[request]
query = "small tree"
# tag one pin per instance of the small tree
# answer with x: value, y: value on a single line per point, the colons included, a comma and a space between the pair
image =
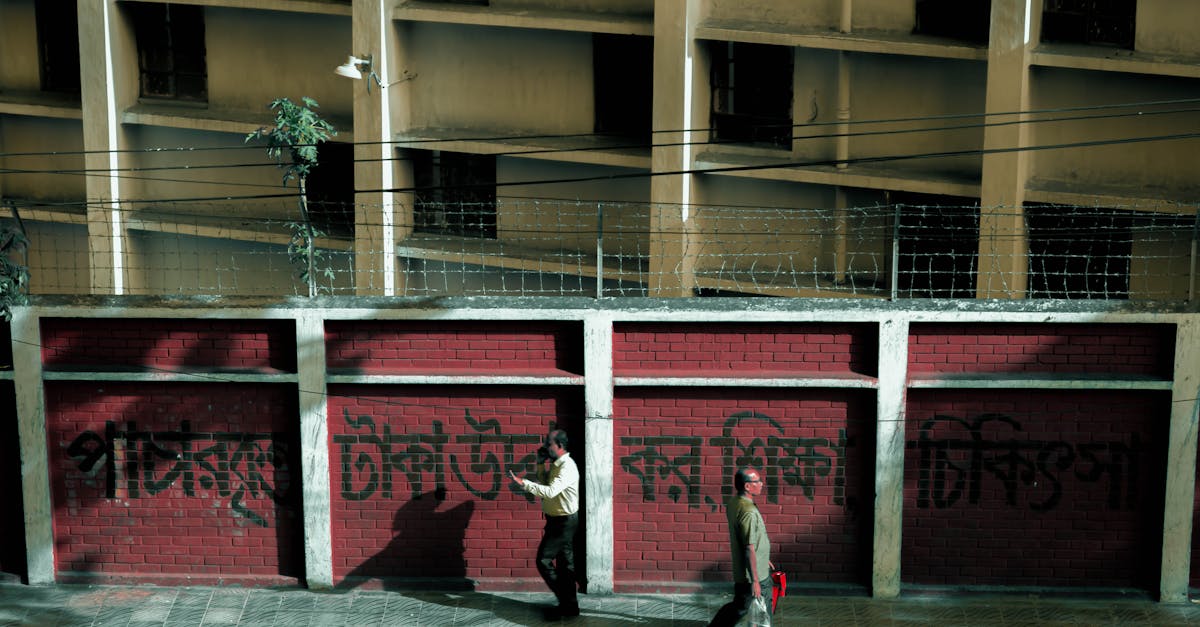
x: 298, y: 130
x: 14, y: 276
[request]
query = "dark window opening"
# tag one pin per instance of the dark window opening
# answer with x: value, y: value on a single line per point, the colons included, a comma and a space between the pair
x: 938, y: 245
x: 456, y: 194
x: 752, y: 93
x: 58, y: 45
x: 171, y: 53
x: 1098, y: 22
x: 330, y: 189
x: 1078, y: 252
x: 623, y: 69
x: 969, y: 20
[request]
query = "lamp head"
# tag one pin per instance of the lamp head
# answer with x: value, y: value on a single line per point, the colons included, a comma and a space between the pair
x: 354, y: 67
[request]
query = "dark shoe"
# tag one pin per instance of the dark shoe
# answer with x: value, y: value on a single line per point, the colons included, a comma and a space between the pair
x: 568, y: 611
x: 551, y: 613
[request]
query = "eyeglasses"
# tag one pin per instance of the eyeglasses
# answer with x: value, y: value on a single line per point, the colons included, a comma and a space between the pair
x: 754, y: 481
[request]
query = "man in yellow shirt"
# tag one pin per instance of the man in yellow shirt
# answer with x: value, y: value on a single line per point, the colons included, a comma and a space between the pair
x: 750, y: 548
x: 558, y: 487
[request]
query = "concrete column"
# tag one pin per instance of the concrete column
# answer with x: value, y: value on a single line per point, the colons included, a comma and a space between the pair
x: 314, y: 449
x: 1181, y: 465
x: 889, y: 457
x: 31, y: 431
x: 108, y: 70
x: 381, y: 218
x: 598, y: 452
x: 676, y: 91
x: 1003, y: 244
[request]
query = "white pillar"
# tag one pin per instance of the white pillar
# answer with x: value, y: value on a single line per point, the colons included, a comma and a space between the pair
x: 314, y: 449
x: 31, y: 432
x: 1181, y: 465
x: 889, y: 457
x: 598, y: 452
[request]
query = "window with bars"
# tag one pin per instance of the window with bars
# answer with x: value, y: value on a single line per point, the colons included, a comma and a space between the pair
x: 456, y: 193
x: 171, y: 52
x: 1097, y: 22
x: 752, y: 93
x: 58, y: 45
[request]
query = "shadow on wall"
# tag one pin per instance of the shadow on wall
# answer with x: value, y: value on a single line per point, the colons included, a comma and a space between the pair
x: 427, y: 547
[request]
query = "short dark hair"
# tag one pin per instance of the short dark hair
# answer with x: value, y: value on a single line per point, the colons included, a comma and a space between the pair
x: 741, y: 478
x: 559, y: 437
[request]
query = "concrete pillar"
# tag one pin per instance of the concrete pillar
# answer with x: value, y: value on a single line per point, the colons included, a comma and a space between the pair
x: 676, y: 74
x: 109, y: 75
x: 381, y: 218
x: 1181, y: 465
x: 598, y: 452
x: 31, y: 432
x: 889, y: 457
x: 1003, y: 244
x: 314, y: 450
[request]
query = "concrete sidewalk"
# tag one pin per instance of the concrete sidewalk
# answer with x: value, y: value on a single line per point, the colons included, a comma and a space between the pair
x: 143, y: 606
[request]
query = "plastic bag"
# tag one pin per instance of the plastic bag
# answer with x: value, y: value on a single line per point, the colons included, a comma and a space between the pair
x: 760, y: 616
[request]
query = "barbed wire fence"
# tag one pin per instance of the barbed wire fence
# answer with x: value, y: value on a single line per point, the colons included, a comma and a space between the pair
x: 546, y: 247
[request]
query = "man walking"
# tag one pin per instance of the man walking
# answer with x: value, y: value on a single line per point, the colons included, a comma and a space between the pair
x: 558, y: 487
x: 750, y: 548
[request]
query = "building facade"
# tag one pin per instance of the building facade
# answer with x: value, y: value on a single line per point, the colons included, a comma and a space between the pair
x: 714, y: 147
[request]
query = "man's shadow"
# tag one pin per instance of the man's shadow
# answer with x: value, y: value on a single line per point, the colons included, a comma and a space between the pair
x: 426, y: 550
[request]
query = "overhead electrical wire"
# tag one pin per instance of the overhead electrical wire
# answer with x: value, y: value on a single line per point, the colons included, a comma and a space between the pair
x: 650, y: 174
x: 494, y: 138
x: 108, y: 172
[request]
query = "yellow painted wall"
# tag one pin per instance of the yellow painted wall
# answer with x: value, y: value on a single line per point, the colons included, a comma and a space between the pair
x: 564, y: 215
x: 807, y: 14
x: 1167, y: 27
x: 57, y: 260
x: 19, y: 65
x: 890, y: 86
x: 255, y: 57
x: 1140, y: 167
x: 630, y: 7
x: 501, y: 79
x: 27, y: 134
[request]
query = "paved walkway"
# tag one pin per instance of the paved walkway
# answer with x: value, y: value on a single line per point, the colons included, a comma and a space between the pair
x: 143, y: 606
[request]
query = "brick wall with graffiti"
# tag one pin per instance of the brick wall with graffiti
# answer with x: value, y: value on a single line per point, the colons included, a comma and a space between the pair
x: 170, y: 479
x: 420, y: 485
x: 153, y: 478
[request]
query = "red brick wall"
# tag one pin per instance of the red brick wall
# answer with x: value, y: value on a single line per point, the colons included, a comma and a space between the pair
x: 1034, y: 488
x: 480, y: 347
x: 675, y: 454
x: 1041, y: 348
x: 154, y: 480
x: 262, y: 345
x: 743, y: 349
x: 419, y: 480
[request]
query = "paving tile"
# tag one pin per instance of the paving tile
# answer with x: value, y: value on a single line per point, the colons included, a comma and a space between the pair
x: 327, y: 619
x: 185, y: 615
x: 222, y: 616
x: 293, y: 619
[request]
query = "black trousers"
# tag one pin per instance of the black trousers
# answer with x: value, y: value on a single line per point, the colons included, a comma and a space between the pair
x: 556, y: 558
x: 743, y: 596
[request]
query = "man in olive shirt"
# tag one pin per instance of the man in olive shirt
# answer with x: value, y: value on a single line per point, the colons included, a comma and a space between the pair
x: 558, y: 487
x: 750, y: 547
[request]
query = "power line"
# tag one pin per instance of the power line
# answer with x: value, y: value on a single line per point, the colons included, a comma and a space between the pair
x: 714, y: 170
x: 546, y: 151
x: 494, y: 138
